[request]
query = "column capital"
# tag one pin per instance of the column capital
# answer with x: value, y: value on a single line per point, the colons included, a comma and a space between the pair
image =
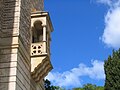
x: 44, y: 25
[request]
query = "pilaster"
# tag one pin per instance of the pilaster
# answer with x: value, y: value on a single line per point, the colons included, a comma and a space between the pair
x: 15, y: 44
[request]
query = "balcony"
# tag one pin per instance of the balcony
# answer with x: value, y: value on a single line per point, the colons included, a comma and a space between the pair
x: 40, y: 60
x: 38, y: 49
x: 41, y: 28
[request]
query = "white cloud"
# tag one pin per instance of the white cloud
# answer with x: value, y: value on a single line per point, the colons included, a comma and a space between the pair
x: 73, y: 77
x: 107, y: 2
x: 111, y: 3
x: 111, y: 33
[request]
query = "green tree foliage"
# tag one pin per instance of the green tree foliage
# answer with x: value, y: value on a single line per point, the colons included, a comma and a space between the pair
x: 112, y: 71
x: 48, y: 86
x: 99, y: 88
x: 90, y: 87
x: 78, y: 89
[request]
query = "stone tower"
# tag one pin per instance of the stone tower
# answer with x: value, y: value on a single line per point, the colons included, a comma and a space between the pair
x: 24, y: 44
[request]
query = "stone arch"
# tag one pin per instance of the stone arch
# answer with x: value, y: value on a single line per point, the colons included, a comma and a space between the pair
x: 37, y: 32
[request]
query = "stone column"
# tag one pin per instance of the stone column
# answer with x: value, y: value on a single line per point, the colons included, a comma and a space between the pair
x: 44, y: 39
x: 44, y: 33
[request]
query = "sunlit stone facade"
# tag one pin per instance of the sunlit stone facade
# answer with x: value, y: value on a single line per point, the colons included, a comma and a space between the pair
x: 25, y: 30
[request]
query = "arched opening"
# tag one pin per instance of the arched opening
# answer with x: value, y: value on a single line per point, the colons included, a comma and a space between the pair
x: 37, y: 32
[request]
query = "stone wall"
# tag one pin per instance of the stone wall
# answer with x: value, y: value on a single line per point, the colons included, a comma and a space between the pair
x: 24, y: 66
x: 15, y: 42
x: 15, y: 17
x: 9, y: 18
x: 8, y: 70
x: 9, y: 12
x: 37, y: 5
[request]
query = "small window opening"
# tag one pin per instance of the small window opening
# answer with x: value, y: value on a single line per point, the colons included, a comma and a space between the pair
x: 37, y: 32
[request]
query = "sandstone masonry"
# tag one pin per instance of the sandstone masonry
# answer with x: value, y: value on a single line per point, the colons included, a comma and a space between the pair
x: 15, y: 45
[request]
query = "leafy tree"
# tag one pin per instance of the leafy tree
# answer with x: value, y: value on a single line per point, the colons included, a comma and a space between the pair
x: 112, y: 71
x: 48, y: 86
x: 78, y: 89
x: 56, y: 88
x: 99, y: 88
x: 89, y: 87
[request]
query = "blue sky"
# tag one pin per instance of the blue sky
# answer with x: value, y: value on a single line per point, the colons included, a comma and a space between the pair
x: 85, y: 32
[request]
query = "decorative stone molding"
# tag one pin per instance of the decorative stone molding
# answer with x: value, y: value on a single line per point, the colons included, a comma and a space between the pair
x: 37, y: 49
x: 42, y: 69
